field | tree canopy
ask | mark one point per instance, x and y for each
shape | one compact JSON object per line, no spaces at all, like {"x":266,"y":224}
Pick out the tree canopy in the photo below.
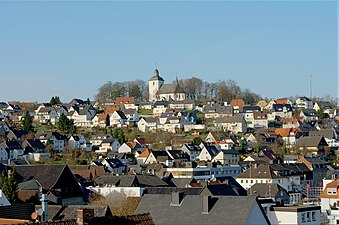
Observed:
{"x":9,"y":186}
{"x":66,"y":125}
{"x":27,"y":122}
{"x":194,"y":87}
{"x":55,"y":100}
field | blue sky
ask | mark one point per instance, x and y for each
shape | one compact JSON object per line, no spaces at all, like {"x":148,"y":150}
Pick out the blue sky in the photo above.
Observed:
{"x":69,"y":49}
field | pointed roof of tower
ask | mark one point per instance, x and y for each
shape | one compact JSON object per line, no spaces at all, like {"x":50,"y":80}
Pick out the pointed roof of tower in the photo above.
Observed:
{"x":156,"y":76}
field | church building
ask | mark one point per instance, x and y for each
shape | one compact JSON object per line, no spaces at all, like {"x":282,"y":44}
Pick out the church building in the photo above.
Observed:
{"x":160,"y":91}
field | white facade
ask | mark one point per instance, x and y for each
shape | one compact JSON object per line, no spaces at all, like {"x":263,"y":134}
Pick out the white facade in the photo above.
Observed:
{"x":126,"y":191}
{"x":154,"y":86}
{"x":205,"y":173}
{"x":294,"y":215}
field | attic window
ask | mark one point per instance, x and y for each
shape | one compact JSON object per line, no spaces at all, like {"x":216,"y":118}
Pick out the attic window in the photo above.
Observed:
{"x":331,"y":191}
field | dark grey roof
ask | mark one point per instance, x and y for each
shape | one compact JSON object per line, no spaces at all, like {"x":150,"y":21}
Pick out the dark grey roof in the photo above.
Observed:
{"x":109,"y":140}
{"x":60,"y":213}
{"x":12,"y":145}
{"x":265,"y":190}
{"x":315,"y":160}
{"x":223,"y":209}
{"x":250,"y":108}
{"x":326,"y":133}
{"x":231,"y":119}
{"x":216,"y":108}
{"x":178,"y":154}
{"x":150,"y":119}
{"x":311,"y":141}
{"x":29,"y":185}
{"x":309,"y":112}
{"x":121,"y":114}
{"x":170,"y":88}
{"x":34,"y":144}
{"x":282,"y":107}
{"x":183,"y":182}
{"x":324,"y":105}
{"x":156,"y":76}
{"x":211,"y":149}
{"x":222,"y":189}
{"x":46,"y":175}
{"x":170,"y":190}
{"x":18,"y":211}
{"x":262,"y":171}
{"x":114,"y":163}
{"x":161,"y":103}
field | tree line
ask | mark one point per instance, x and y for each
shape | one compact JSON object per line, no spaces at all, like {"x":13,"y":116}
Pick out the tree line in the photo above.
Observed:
{"x":194,"y":87}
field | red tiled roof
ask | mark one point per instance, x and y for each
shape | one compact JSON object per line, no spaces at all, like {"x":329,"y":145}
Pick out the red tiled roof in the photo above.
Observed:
{"x":237,"y":102}
{"x":111,"y":109}
{"x":145,"y":154}
{"x":282,"y":101}
{"x":127,"y":100}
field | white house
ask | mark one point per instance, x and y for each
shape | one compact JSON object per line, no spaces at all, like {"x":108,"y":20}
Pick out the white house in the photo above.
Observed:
{"x":304,"y":102}
{"x":227,"y":157}
{"x":234,"y":124}
{"x":330,"y":201}
{"x":117,"y":119}
{"x":45,"y":114}
{"x":293,"y":215}
{"x":109,"y":144}
{"x":147,"y":124}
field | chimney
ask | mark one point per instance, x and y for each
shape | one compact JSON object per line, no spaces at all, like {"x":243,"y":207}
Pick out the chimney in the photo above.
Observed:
{"x":84,"y":216}
{"x":177,"y":198}
{"x":44,"y":207}
{"x":1,"y":193}
{"x":206,"y":200}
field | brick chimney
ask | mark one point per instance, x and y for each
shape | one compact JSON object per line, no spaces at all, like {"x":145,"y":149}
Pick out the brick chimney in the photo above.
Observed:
{"x":84,"y":216}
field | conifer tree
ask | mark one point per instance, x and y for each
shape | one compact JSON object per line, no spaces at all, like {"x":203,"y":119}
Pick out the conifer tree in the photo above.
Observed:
{"x":27,"y":122}
{"x":9,"y":186}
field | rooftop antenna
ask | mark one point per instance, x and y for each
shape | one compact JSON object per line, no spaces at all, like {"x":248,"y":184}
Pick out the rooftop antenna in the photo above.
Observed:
{"x":311,"y":86}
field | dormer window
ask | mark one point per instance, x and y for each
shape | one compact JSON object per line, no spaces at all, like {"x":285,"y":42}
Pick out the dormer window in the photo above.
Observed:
{"x":331,"y":191}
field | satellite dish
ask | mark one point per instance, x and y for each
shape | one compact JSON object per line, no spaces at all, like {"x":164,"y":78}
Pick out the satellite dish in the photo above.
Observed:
{"x":34,"y":215}
{"x":40,"y":212}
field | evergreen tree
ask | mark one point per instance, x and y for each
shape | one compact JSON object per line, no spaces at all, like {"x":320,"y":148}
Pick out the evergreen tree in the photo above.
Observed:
{"x":88,"y":102}
{"x":121,"y":138}
{"x":115,"y":133}
{"x":27,"y":122}
{"x":9,"y":186}
{"x":66,"y":125}
{"x":55,"y":100}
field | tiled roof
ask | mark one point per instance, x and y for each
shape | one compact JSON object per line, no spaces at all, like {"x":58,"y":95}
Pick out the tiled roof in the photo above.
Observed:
{"x":139,"y":219}
{"x":170,"y":88}
{"x":46,"y":175}
{"x":237,"y":102}
{"x":262,"y":171}
{"x":223,"y":209}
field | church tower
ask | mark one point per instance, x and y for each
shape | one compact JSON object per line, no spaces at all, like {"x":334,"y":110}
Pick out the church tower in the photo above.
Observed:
{"x":154,"y":84}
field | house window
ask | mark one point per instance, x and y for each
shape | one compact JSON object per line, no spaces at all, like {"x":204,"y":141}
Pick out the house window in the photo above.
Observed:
{"x":241,"y":181}
{"x":308,"y":216}
{"x":303,"y":218}
{"x":313,"y":216}
{"x":251,"y":181}
{"x":246,"y":181}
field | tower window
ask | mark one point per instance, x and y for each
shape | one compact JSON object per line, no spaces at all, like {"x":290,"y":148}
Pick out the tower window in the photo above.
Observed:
{"x":153,"y":82}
